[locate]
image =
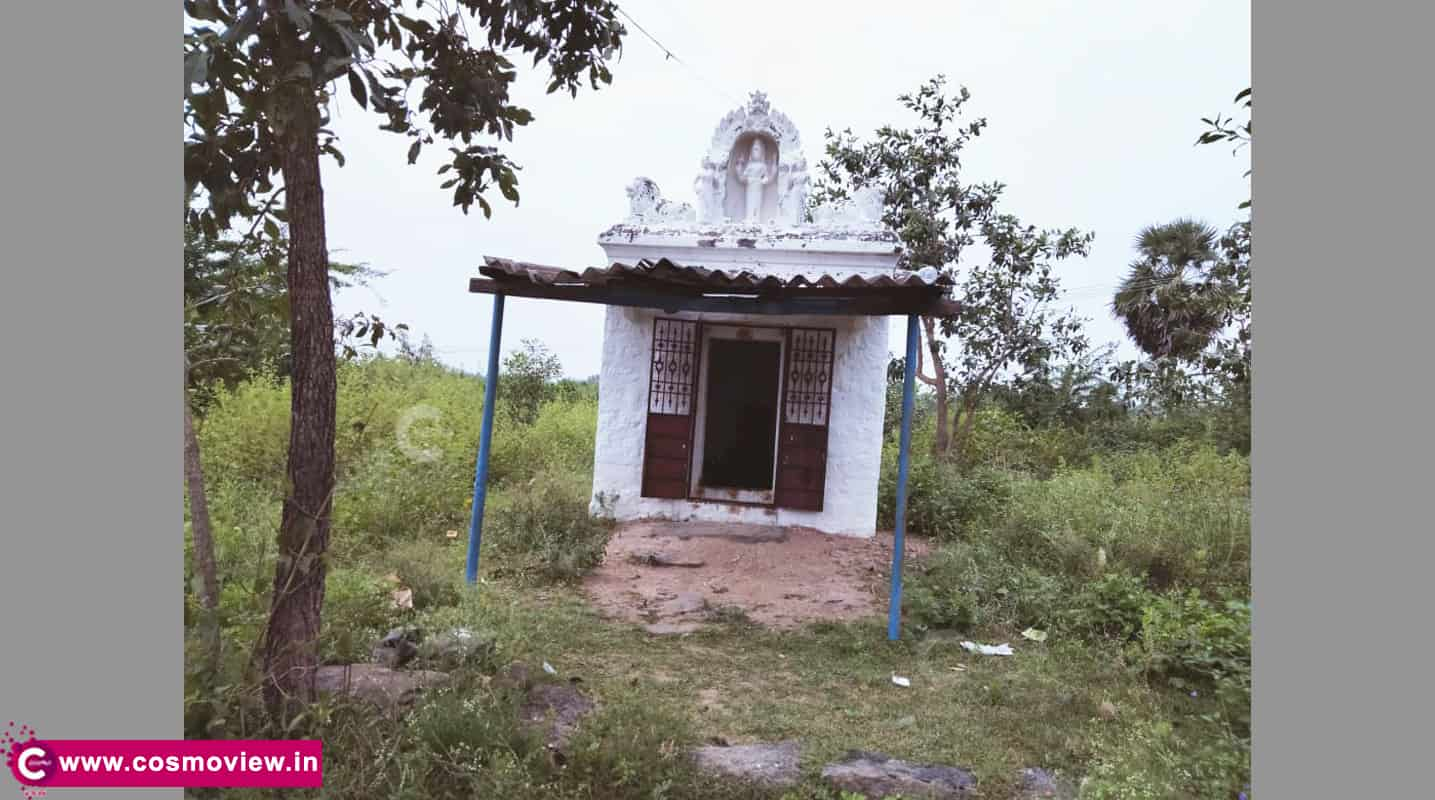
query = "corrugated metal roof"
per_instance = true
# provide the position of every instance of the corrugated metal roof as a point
(705, 279)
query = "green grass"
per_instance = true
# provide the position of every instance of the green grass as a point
(829, 685)
(1129, 558)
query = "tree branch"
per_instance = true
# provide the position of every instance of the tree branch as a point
(926, 323)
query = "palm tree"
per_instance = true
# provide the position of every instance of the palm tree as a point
(1167, 302)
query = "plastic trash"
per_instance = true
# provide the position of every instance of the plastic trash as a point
(1002, 649)
(905, 683)
(402, 598)
(548, 668)
(1034, 635)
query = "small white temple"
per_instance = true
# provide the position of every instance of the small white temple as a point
(755, 418)
(745, 346)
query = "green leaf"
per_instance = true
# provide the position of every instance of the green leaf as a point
(358, 90)
(298, 15)
(245, 27)
(271, 229)
(301, 72)
(196, 68)
(203, 10)
(334, 15)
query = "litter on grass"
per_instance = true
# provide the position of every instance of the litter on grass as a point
(1002, 649)
(905, 683)
(548, 668)
(402, 598)
(1034, 635)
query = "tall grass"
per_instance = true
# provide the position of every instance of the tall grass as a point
(1132, 541)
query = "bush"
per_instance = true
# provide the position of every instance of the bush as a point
(543, 529)
(1202, 651)
(1111, 606)
(964, 586)
(560, 440)
(1181, 517)
(1195, 645)
(944, 501)
(1158, 761)
(356, 608)
(433, 570)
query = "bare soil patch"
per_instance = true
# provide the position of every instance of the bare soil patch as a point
(674, 576)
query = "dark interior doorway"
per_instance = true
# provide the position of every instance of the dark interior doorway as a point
(739, 435)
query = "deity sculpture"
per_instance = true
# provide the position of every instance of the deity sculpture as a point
(792, 195)
(754, 174)
(708, 187)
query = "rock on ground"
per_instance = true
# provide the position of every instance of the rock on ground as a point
(770, 764)
(1038, 783)
(457, 648)
(377, 684)
(555, 709)
(875, 775)
(672, 628)
(398, 647)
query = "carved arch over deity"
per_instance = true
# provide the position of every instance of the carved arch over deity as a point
(754, 171)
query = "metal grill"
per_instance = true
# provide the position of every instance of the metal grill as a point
(809, 376)
(670, 381)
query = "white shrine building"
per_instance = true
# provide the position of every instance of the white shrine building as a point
(745, 345)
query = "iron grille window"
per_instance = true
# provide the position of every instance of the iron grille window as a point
(670, 382)
(809, 377)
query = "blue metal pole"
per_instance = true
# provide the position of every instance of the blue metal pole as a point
(894, 603)
(485, 437)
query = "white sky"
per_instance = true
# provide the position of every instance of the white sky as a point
(1092, 109)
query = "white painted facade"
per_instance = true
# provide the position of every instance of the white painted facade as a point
(778, 238)
(854, 444)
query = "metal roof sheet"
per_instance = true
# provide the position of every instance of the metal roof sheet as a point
(706, 279)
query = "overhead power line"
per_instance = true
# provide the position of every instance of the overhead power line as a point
(669, 55)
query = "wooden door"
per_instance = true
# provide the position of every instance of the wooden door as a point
(806, 407)
(672, 382)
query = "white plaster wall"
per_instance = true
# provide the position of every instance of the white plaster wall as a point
(854, 444)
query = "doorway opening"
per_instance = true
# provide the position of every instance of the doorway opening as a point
(739, 426)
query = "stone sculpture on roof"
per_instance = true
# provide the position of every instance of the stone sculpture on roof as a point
(753, 175)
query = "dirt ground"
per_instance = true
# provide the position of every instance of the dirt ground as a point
(673, 577)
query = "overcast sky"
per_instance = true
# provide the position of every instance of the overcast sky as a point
(1092, 110)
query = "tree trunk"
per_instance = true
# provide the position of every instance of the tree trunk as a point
(291, 638)
(203, 540)
(941, 442)
(967, 417)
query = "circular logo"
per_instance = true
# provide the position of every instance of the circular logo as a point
(34, 763)
(406, 420)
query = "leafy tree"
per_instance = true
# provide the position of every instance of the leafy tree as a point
(1187, 304)
(260, 77)
(1168, 301)
(528, 373)
(1226, 129)
(1075, 392)
(235, 325)
(1008, 319)
(236, 305)
(422, 353)
(1232, 352)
